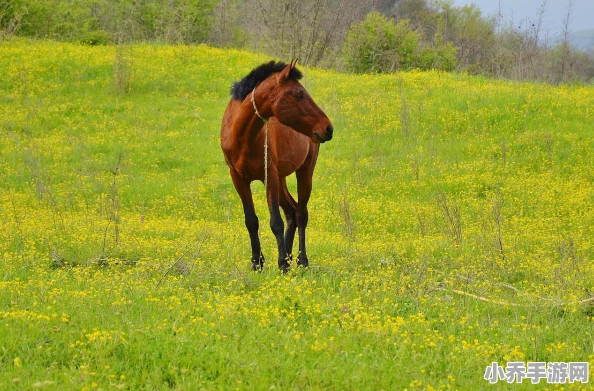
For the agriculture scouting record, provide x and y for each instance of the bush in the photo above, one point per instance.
(96, 37)
(379, 45)
(441, 54)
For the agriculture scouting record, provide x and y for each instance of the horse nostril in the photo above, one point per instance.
(329, 131)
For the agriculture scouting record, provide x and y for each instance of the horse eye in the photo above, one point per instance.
(298, 95)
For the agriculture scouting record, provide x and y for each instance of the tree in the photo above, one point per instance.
(311, 30)
(565, 49)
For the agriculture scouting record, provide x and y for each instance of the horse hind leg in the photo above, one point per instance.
(304, 184)
(289, 206)
(251, 219)
(276, 222)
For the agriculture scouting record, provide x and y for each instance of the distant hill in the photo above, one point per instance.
(583, 40)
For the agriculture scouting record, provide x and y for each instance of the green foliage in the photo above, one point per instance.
(378, 45)
(473, 35)
(102, 21)
(441, 54)
(570, 65)
(226, 24)
(10, 19)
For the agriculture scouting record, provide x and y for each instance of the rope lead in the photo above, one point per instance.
(265, 140)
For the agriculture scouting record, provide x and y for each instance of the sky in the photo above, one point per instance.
(518, 11)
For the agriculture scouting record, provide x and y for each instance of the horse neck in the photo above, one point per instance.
(248, 125)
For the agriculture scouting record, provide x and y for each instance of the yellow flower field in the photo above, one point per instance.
(451, 226)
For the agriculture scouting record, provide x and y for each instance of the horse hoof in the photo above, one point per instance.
(258, 264)
(302, 262)
(285, 264)
(284, 268)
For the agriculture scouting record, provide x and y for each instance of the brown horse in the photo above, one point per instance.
(272, 94)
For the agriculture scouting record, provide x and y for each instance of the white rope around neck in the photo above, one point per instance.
(265, 120)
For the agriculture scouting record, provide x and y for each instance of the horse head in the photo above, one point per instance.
(292, 105)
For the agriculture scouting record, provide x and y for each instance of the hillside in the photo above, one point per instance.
(125, 260)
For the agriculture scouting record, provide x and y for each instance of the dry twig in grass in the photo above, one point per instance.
(198, 244)
(500, 302)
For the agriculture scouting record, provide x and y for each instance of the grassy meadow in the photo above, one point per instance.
(124, 260)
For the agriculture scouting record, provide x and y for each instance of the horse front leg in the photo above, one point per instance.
(276, 222)
(251, 219)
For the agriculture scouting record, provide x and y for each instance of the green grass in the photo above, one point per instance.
(85, 247)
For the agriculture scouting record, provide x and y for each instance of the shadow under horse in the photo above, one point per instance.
(270, 97)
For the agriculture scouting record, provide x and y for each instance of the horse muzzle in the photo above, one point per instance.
(327, 136)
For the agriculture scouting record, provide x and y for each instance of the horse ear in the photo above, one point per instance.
(286, 72)
(284, 75)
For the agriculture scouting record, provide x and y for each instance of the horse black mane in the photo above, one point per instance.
(242, 88)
